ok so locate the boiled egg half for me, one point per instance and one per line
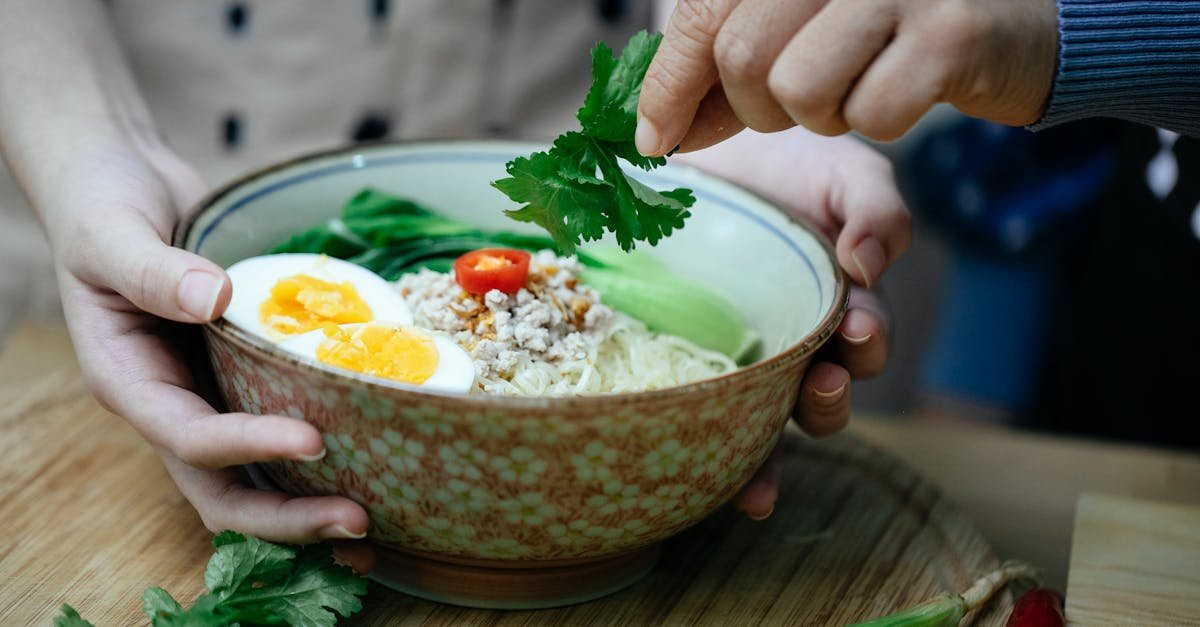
(280, 296)
(393, 352)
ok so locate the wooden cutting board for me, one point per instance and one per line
(89, 517)
(1134, 562)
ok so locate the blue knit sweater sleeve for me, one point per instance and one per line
(1132, 60)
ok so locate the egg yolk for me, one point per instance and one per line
(301, 303)
(381, 351)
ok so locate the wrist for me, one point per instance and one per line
(67, 99)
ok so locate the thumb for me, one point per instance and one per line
(132, 260)
(876, 227)
(681, 74)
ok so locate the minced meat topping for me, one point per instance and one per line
(553, 318)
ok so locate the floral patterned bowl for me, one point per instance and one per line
(522, 502)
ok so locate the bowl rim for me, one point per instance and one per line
(788, 357)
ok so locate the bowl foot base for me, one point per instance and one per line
(495, 585)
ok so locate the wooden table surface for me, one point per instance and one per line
(1134, 562)
(88, 517)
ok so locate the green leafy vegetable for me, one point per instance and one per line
(254, 582)
(393, 236)
(412, 237)
(68, 617)
(577, 190)
(644, 288)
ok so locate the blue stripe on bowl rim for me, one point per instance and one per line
(360, 162)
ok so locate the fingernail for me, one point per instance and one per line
(870, 259)
(311, 458)
(338, 532)
(198, 293)
(831, 395)
(647, 137)
(762, 517)
(857, 341)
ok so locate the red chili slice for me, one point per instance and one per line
(481, 271)
(1038, 608)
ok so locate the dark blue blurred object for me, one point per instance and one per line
(1009, 203)
(1001, 189)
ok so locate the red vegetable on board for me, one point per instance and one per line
(1039, 607)
(486, 269)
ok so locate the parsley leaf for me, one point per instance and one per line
(299, 595)
(540, 180)
(577, 190)
(69, 617)
(254, 582)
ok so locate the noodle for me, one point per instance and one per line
(630, 358)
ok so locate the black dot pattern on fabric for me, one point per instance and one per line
(372, 126)
(380, 10)
(611, 11)
(237, 14)
(231, 130)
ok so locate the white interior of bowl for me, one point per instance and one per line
(774, 271)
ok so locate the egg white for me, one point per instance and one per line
(455, 371)
(253, 279)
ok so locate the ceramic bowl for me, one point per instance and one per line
(518, 501)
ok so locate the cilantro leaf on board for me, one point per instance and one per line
(255, 582)
(577, 190)
(241, 565)
(68, 617)
(159, 604)
(303, 596)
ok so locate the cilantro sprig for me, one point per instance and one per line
(255, 582)
(577, 189)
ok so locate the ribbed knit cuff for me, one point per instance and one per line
(1137, 61)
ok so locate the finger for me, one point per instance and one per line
(714, 122)
(680, 74)
(225, 502)
(127, 255)
(861, 345)
(824, 406)
(876, 225)
(901, 85)
(221, 440)
(137, 374)
(757, 498)
(745, 49)
(182, 423)
(813, 75)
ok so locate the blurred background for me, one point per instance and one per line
(27, 286)
(1018, 302)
